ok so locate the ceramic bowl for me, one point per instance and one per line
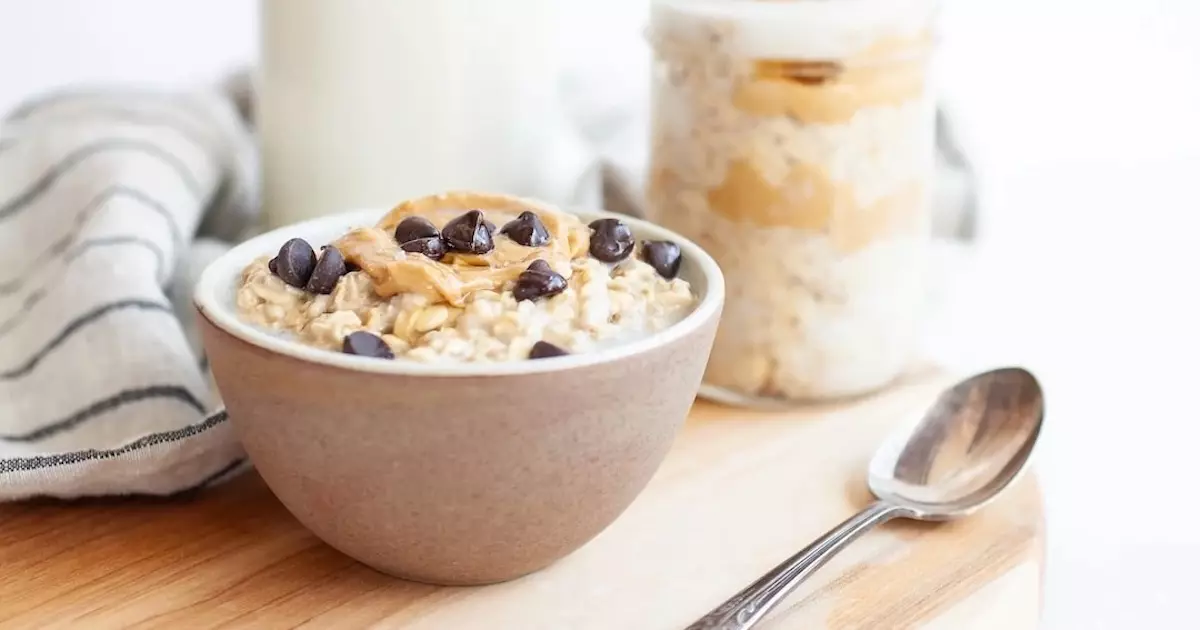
(454, 474)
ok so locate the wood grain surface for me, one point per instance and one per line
(739, 492)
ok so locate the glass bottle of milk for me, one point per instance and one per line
(363, 103)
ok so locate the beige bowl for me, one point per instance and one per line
(461, 474)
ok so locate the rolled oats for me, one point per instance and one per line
(431, 318)
(472, 316)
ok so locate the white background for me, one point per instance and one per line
(1085, 120)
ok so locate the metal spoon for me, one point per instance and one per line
(971, 444)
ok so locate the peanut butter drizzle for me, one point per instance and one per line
(890, 72)
(457, 275)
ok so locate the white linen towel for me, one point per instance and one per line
(103, 389)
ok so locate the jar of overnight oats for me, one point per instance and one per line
(795, 141)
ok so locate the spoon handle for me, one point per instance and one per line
(748, 607)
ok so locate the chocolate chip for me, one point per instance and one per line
(814, 72)
(364, 344)
(271, 266)
(468, 233)
(491, 227)
(538, 280)
(413, 228)
(664, 256)
(546, 350)
(433, 247)
(295, 262)
(330, 268)
(612, 241)
(527, 229)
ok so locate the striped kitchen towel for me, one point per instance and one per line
(111, 201)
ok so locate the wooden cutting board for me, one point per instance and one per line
(740, 491)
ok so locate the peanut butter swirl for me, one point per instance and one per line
(394, 271)
(825, 92)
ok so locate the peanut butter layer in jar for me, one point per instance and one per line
(794, 140)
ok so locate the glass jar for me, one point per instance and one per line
(795, 141)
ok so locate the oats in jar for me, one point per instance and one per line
(794, 141)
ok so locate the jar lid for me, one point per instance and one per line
(800, 29)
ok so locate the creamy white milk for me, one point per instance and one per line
(368, 102)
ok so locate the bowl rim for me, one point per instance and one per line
(212, 308)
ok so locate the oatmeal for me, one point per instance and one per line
(794, 141)
(468, 277)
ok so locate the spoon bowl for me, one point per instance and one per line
(973, 442)
(969, 446)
